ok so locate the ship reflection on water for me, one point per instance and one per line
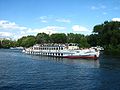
(80, 63)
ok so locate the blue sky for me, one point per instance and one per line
(28, 17)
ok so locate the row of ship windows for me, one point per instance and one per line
(53, 54)
(35, 48)
(59, 54)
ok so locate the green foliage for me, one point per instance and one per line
(83, 42)
(42, 38)
(27, 41)
(93, 39)
(108, 36)
(7, 43)
(58, 38)
(19, 41)
(0, 45)
(79, 39)
(113, 50)
(71, 38)
(53, 38)
(98, 29)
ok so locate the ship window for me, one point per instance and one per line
(59, 54)
(70, 44)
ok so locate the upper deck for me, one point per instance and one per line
(55, 47)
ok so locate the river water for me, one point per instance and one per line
(19, 71)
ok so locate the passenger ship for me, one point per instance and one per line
(71, 51)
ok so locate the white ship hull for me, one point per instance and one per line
(65, 53)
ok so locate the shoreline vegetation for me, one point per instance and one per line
(106, 35)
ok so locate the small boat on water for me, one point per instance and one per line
(71, 51)
(17, 48)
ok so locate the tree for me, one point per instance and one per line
(78, 38)
(19, 41)
(98, 29)
(42, 38)
(70, 37)
(27, 41)
(0, 43)
(6, 43)
(107, 35)
(58, 38)
(83, 43)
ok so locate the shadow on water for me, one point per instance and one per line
(109, 62)
(82, 63)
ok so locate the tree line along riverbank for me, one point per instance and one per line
(106, 35)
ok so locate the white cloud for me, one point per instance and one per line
(17, 36)
(104, 13)
(5, 34)
(22, 32)
(94, 8)
(98, 7)
(44, 19)
(19, 31)
(116, 19)
(4, 24)
(80, 28)
(48, 29)
(63, 20)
